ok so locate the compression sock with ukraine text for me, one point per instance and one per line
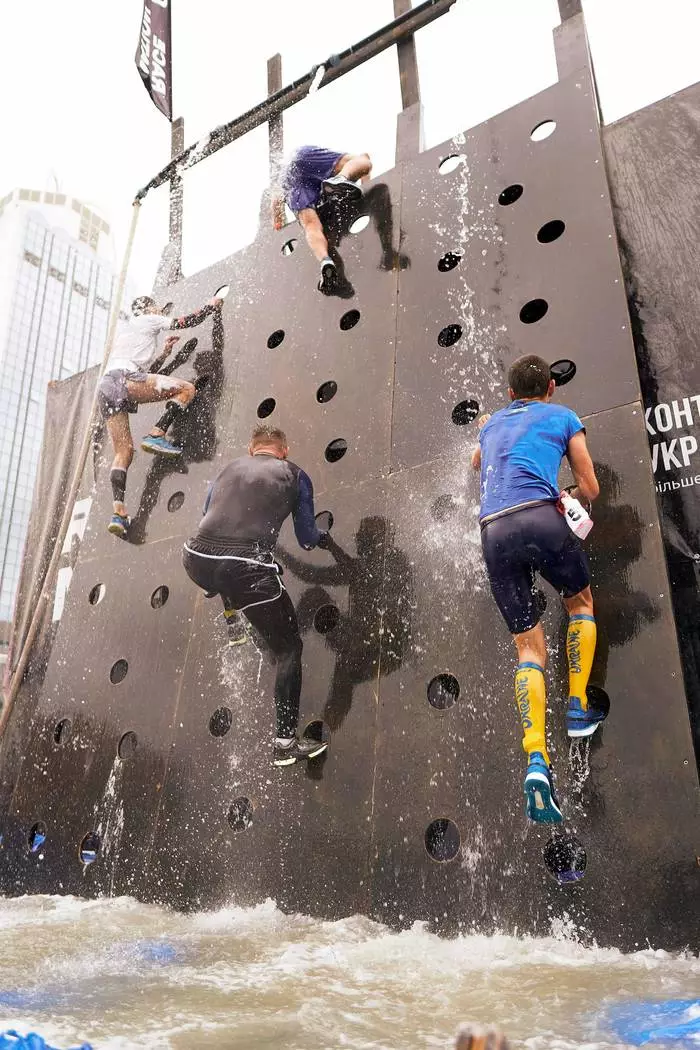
(580, 649)
(530, 698)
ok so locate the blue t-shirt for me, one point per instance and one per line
(522, 447)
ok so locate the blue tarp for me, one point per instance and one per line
(672, 1021)
(14, 1041)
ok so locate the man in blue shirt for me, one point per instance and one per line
(519, 454)
(233, 555)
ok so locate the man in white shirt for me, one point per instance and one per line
(131, 380)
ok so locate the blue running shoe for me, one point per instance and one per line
(541, 804)
(160, 446)
(580, 722)
(118, 525)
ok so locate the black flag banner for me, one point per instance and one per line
(153, 54)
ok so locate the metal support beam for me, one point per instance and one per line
(335, 66)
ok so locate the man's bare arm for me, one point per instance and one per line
(582, 467)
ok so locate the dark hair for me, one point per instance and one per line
(529, 376)
(141, 304)
(266, 434)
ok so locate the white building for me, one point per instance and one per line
(55, 297)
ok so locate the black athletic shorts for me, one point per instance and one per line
(525, 542)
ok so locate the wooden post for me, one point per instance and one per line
(409, 125)
(176, 201)
(275, 132)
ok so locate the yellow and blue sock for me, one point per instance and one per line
(580, 649)
(530, 697)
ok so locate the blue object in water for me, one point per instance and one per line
(672, 1021)
(14, 1041)
(155, 951)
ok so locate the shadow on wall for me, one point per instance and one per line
(338, 218)
(380, 596)
(620, 611)
(195, 431)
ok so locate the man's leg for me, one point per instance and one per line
(120, 435)
(178, 392)
(353, 166)
(580, 649)
(276, 622)
(506, 544)
(318, 243)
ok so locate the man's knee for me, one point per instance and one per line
(580, 604)
(187, 392)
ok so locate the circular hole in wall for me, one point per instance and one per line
(563, 371)
(240, 814)
(221, 721)
(118, 672)
(465, 412)
(510, 194)
(266, 407)
(543, 130)
(62, 732)
(534, 311)
(336, 449)
(160, 596)
(443, 691)
(349, 320)
(176, 501)
(324, 520)
(448, 262)
(37, 836)
(360, 224)
(89, 848)
(318, 731)
(274, 340)
(449, 335)
(550, 231)
(127, 745)
(442, 840)
(326, 618)
(443, 507)
(450, 163)
(97, 594)
(598, 699)
(289, 246)
(222, 292)
(327, 391)
(565, 858)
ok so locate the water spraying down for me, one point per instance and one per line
(119, 974)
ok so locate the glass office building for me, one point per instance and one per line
(55, 297)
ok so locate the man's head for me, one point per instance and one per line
(144, 305)
(529, 379)
(266, 438)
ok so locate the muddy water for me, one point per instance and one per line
(119, 974)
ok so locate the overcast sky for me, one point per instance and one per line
(74, 108)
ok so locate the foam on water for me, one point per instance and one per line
(121, 974)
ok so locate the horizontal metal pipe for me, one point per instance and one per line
(335, 66)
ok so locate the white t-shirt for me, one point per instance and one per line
(136, 342)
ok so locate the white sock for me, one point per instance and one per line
(327, 261)
(285, 741)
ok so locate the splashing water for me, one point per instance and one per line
(125, 975)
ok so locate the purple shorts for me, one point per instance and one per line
(113, 395)
(307, 169)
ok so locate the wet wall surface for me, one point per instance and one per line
(154, 735)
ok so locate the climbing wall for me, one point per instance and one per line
(152, 736)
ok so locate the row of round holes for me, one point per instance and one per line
(447, 165)
(564, 856)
